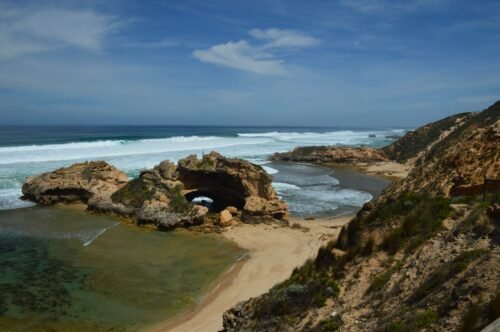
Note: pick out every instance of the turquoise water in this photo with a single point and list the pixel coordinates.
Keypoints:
(68, 270)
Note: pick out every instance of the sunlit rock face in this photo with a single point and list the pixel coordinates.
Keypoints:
(162, 196)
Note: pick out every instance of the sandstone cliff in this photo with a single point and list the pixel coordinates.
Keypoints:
(416, 142)
(458, 161)
(424, 256)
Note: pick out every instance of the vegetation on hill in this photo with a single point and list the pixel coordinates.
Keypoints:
(415, 258)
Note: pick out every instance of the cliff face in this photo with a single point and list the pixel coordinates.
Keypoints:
(414, 143)
(421, 257)
(458, 161)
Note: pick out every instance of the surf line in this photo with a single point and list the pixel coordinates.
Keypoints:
(99, 234)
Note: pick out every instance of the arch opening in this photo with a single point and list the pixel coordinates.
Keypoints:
(215, 200)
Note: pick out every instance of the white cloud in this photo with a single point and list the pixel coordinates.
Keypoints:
(392, 6)
(258, 58)
(240, 55)
(28, 32)
(163, 43)
(283, 38)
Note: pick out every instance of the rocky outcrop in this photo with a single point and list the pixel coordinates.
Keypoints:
(75, 184)
(232, 182)
(161, 196)
(331, 154)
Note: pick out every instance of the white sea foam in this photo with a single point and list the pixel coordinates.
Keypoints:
(103, 149)
(270, 170)
(280, 186)
(332, 137)
(9, 199)
(94, 237)
(351, 197)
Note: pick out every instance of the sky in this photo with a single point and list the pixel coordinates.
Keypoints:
(361, 63)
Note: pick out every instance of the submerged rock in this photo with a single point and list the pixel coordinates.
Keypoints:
(161, 196)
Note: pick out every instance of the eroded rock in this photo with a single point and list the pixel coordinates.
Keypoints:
(75, 184)
(332, 154)
(161, 196)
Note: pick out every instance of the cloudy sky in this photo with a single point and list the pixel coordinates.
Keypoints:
(260, 62)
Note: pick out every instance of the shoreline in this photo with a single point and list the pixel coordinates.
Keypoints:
(271, 258)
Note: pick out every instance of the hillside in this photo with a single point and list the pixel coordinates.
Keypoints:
(414, 143)
(424, 256)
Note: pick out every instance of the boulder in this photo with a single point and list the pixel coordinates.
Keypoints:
(75, 184)
(258, 209)
(233, 210)
(225, 218)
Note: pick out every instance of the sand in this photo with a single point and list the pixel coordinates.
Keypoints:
(388, 169)
(273, 253)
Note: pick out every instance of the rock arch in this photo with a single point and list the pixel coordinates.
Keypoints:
(161, 196)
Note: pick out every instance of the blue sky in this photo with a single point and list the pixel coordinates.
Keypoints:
(279, 62)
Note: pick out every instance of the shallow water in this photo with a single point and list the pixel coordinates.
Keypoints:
(316, 191)
(69, 270)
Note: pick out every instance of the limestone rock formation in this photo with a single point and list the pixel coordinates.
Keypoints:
(232, 182)
(161, 196)
(75, 184)
(332, 154)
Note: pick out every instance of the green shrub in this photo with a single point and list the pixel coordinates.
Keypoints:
(368, 246)
(480, 315)
(380, 281)
(133, 194)
(446, 272)
(414, 322)
(178, 203)
(471, 319)
(423, 217)
(328, 325)
(325, 259)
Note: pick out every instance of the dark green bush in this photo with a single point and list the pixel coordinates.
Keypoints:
(178, 203)
(414, 322)
(423, 217)
(380, 281)
(133, 194)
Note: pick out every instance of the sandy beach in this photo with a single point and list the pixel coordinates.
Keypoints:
(273, 252)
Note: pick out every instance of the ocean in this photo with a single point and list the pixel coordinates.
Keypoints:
(62, 269)
(25, 151)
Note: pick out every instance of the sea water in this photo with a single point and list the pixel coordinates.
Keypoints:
(68, 270)
(25, 151)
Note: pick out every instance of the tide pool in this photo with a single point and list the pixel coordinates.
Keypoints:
(68, 270)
